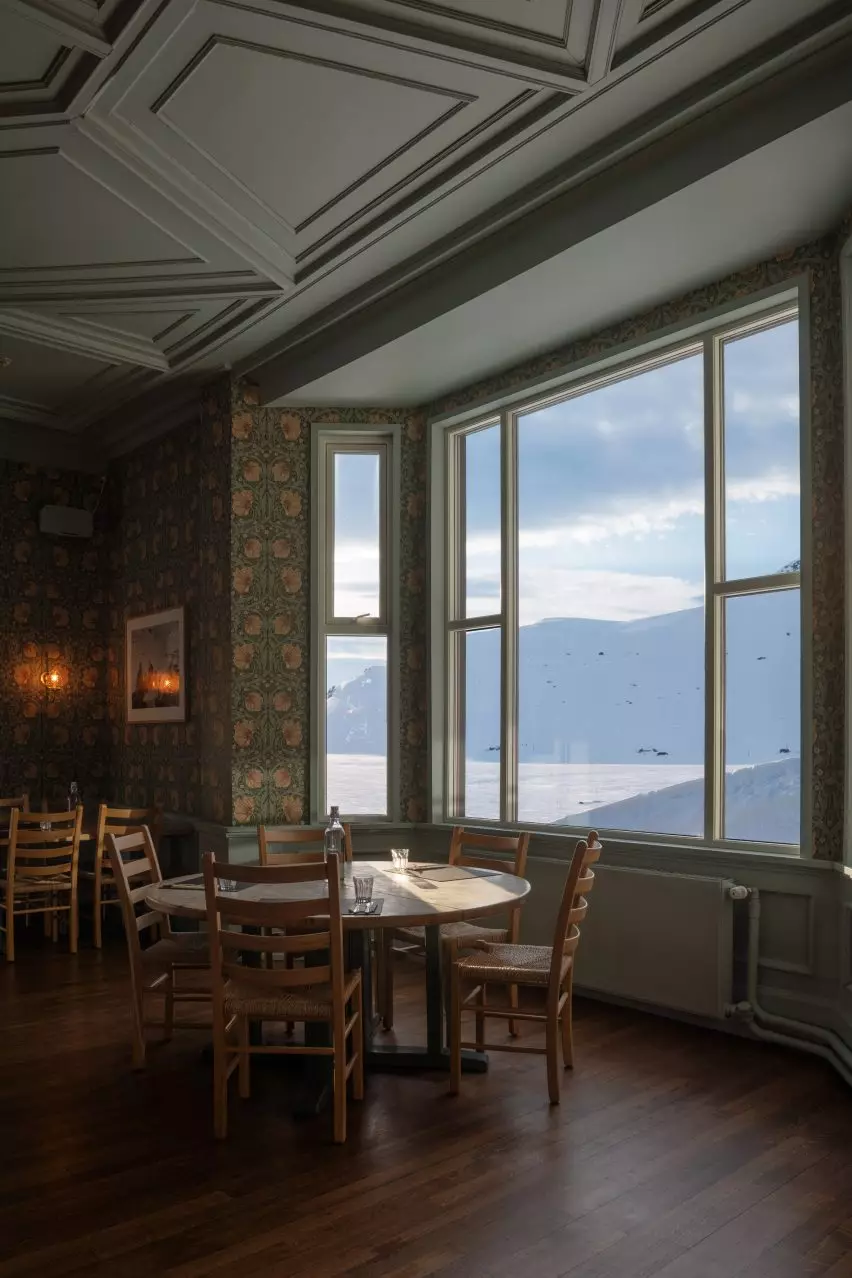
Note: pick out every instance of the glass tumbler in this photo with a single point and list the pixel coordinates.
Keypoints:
(363, 884)
(399, 858)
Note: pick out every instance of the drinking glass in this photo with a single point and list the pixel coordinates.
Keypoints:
(363, 885)
(399, 858)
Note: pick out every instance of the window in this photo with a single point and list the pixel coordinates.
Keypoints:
(621, 612)
(353, 622)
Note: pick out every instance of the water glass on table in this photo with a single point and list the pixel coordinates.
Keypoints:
(363, 884)
(399, 859)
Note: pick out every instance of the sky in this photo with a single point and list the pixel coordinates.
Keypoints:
(611, 497)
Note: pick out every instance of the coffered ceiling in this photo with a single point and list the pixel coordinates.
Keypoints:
(193, 184)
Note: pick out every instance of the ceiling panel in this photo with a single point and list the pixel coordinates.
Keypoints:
(27, 53)
(43, 386)
(351, 124)
(304, 133)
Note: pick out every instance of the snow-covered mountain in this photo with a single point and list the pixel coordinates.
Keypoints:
(761, 805)
(610, 692)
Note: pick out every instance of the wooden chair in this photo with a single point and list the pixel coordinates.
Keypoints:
(118, 822)
(21, 801)
(270, 992)
(536, 966)
(134, 868)
(296, 844)
(41, 871)
(506, 853)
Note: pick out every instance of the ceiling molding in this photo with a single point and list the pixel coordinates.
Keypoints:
(62, 21)
(654, 163)
(188, 184)
(84, 338)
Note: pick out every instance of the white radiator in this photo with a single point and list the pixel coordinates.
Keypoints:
(660, 939)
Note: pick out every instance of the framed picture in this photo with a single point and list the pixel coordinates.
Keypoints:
(155, 668)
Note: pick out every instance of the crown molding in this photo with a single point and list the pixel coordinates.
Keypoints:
(84, 338)
(70, 27)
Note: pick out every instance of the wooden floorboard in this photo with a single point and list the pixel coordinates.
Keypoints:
(676, 1153)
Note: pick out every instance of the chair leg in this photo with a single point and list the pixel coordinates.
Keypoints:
(386, 998)
(139, 1033)
(553, 1052)
(455, 1032)
(169, 1009)
(244, 1067)
(73, 924)
(220, 1091)
(513, 1002)
(97, 911)
(358, 1046)
(568, 1025)
(480, 1022)
(55, 924)
(10, 935)
(339, 1081)
(289, 1026)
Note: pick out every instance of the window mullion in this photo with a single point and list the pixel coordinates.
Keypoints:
(509, 620)
(714, 569)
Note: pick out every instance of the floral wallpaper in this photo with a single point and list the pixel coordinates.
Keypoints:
(170, 547)
(819, 263)
(52, 612)
(270, 610)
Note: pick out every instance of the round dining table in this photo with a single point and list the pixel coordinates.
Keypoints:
(424, 895)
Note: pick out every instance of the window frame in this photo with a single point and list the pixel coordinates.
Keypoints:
(328, 442)
(706, 335)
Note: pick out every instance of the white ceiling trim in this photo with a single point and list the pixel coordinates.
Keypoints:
(84, 338)
(61, 20)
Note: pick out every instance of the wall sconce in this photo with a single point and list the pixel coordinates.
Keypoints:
(54, 678)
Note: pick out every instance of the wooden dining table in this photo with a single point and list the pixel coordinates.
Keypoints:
(424, 895)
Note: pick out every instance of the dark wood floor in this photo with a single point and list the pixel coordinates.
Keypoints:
(676, 1152)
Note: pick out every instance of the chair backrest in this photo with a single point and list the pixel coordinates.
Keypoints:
(575, 905)
(296, 844)
(44, 853)
(135, 867)
(312, 891)
(504, 852)
(120, 821)
(21, 801)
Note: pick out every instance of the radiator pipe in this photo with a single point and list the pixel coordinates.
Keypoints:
(784, 1029)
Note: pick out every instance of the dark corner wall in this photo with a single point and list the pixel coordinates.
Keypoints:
(53, 607)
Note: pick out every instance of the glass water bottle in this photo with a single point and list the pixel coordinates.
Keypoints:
(334, 837)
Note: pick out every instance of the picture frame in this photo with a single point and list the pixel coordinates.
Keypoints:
(155, 668)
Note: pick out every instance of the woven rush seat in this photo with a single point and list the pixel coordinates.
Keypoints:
(310, 1002)
(461, 932)
(524, 964)
(180, 947)
(21, 885)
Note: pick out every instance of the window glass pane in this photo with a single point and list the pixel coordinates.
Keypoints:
(482, 523)
(762, 717)
(481, 665)
(611, 585)
(762, 452)
(356, 724)
(357, 535)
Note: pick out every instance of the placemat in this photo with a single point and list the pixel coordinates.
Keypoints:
(447, 873)
(378, 902)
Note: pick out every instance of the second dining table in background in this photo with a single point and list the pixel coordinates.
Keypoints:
(426, 895)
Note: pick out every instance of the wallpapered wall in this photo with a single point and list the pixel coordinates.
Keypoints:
(270, 552)
(819, 262)
(170, 546)
(52, 611)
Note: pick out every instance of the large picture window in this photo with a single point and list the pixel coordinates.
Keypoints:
(622, 597)
(353, 622)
